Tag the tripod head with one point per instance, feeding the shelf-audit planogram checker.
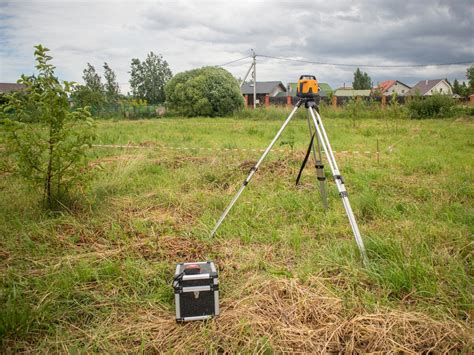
(310, 102)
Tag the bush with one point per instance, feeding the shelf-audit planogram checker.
(207, 91)
(431, 106)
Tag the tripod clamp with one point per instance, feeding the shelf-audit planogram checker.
(252, 171)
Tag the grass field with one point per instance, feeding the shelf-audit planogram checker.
(97, 277)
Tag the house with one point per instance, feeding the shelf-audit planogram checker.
(324, 89)
(9, 87)
(264, 90)
(430, 87)
(390, 87)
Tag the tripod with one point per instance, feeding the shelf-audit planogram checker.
(321, 141)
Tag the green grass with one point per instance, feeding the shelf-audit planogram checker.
(77, 280)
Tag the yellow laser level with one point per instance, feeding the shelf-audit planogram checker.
(307, 86)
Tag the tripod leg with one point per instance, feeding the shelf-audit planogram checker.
(255, 168)
(318, 159)
(321, 132)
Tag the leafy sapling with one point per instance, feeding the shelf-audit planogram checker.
(45, 136)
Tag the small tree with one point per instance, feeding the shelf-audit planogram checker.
(464, 89)
(148, 78)
(460, 89)
(207, 91)
(470, 78)
(395, 110)
(456, 87)
(354, 107)
(361, 81)
(111, 86)
(50, 152)
(92, 92)
(92, 80)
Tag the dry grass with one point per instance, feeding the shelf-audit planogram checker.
(115, 158)
(258, 313)
(287, 316)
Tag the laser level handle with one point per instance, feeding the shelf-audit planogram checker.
(310, 77)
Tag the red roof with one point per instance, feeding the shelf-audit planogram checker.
(385, 85)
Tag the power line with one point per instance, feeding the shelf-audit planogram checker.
(233, 61)
(364, 65)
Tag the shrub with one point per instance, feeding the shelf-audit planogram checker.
(431, 106)
(47, 140)
(354, 108)
(207, 91)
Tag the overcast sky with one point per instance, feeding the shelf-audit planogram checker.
(196, 33)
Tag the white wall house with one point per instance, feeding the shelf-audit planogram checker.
(430, 87)
(389, 87)
(441, 88)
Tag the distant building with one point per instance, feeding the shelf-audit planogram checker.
(326, 88)
(344, 87)
(430, 87)
(270, 88)
(390, 87)
(264, 90)
(9, 87)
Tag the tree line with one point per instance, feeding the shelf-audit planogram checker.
(147, 83)
(149, 77)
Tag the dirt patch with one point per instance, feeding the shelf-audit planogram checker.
(180, 161)
(174, 248)
(464, 119)
(246, 165)
(155, 214)
(175, 217)
(281, 166)
(144, 144)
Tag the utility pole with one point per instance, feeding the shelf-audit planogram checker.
(253, 68)
(246, 75)
(254, 75)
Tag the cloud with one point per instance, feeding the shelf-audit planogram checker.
(196, 33)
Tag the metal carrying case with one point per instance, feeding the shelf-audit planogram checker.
(196, 289)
